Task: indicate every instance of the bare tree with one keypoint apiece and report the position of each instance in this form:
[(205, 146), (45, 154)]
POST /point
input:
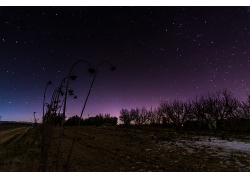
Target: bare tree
[(143, 115), (244, 110), (158, 115), (125, 117), (217, 107), (196, 109), (134, 115), (139, 115), (163, 112), (177, 111), (229, 105), (209, 109), (152, 116)]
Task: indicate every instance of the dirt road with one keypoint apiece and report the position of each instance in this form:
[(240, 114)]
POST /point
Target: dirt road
[(6, 135)]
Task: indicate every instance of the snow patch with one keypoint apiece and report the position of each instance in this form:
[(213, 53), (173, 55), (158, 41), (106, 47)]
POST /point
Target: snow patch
[(225, 144)]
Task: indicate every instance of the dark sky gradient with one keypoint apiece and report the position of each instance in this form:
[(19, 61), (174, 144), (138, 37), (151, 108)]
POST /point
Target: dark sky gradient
[(161, 53)]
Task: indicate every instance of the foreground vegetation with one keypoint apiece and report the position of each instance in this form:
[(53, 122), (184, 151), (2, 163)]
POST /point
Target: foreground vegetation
[(121, 148)]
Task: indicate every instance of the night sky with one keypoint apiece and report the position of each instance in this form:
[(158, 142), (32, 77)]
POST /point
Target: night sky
[(161, 53)]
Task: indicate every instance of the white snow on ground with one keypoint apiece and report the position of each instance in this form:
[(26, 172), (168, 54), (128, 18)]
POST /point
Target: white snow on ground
[(213, 143), (215, 147), (225, 144)]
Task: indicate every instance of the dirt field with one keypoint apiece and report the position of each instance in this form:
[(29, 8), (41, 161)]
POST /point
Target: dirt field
[(115, 149)]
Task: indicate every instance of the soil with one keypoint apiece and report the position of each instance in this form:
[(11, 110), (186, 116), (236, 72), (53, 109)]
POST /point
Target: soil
[(8, 134), (130, 149)]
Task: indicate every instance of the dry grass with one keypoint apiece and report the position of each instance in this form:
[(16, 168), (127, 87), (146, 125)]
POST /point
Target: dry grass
[(114, 149), (8, 134), (20, 156)]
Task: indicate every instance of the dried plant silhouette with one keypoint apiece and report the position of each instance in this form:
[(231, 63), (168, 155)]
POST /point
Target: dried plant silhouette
[(53, 117), (76, 131)]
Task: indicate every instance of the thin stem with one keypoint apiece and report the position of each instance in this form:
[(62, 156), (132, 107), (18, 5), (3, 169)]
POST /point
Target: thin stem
[(45, 96), (64, 105), (71, 148)]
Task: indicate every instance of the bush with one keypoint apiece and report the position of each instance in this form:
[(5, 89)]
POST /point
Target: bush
[(73, 121)]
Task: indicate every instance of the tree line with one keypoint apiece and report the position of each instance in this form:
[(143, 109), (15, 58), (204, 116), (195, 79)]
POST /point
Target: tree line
[(98, 120), (209, 110)]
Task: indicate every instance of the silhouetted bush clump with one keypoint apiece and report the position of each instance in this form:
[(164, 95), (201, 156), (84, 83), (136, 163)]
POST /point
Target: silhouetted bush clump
[(98, 120), (73, 121)]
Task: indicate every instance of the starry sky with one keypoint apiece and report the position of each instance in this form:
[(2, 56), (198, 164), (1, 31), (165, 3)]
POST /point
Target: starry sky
[(161, 53)]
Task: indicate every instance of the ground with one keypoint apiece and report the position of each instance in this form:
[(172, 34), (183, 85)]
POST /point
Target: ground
[(134, 148), (7, 131)]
